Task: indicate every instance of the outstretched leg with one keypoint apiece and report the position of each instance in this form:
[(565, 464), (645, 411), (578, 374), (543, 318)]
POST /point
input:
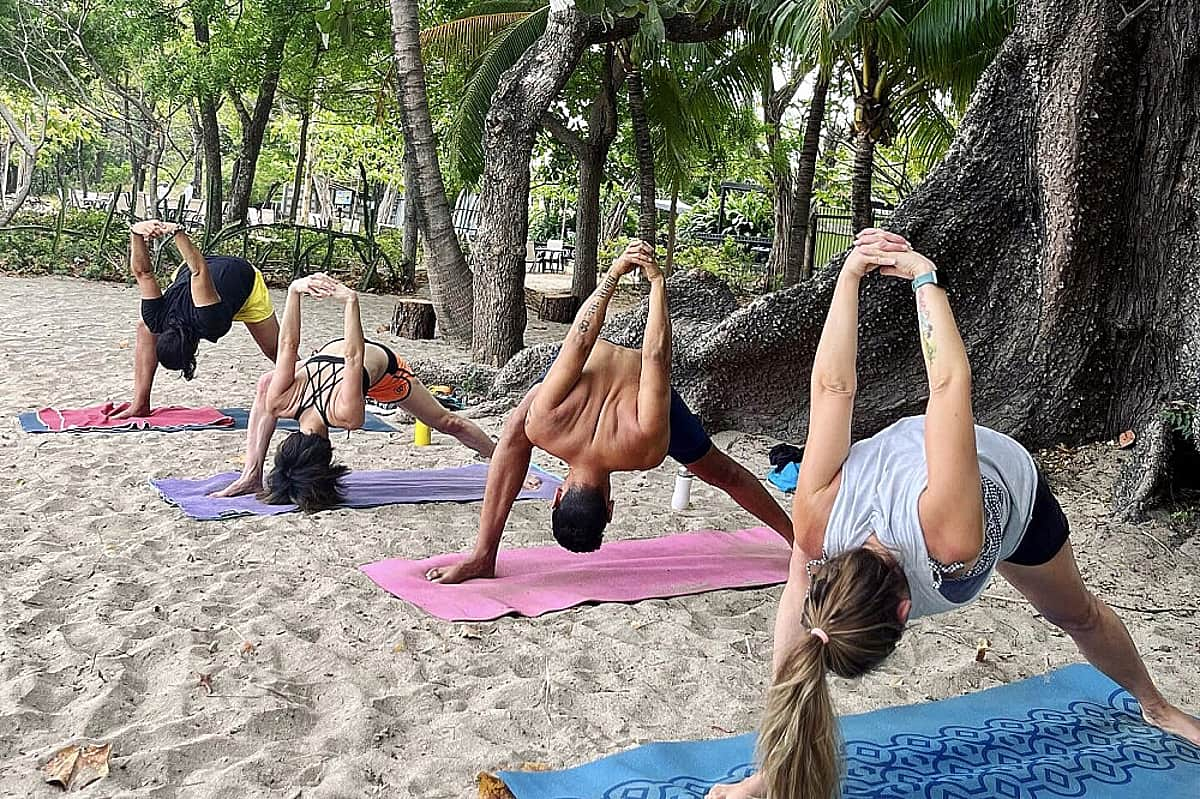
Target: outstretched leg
[(719, 470), (1057, 591), (421, 404)]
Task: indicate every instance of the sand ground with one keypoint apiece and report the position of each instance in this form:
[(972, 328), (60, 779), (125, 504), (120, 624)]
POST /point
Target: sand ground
[(112, 605)]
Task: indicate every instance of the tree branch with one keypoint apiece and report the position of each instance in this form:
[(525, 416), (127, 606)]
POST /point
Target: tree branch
[(1130, 16), (681, 28), (559, 130), (240, 105)]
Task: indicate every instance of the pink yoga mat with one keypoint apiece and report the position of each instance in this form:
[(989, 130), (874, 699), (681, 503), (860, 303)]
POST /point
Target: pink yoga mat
[(537, 580), (99, 417)]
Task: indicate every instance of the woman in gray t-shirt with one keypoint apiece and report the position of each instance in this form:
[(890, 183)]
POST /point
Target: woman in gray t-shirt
[(910, 522)]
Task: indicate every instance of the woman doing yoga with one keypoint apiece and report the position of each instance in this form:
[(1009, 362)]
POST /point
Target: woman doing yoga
[(327, 390), (209, 294), (908, 523)]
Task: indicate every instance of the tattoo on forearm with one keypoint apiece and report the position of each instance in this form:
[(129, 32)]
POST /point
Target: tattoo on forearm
[(928, 345), (606, 289)]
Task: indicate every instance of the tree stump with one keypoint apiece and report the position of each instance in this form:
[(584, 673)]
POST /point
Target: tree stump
[(557, 307), (414, 318)]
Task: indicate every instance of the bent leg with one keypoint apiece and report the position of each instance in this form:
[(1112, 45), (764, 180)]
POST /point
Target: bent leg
[(719, 470), (266, 335), (421, 404), (1056, 589)]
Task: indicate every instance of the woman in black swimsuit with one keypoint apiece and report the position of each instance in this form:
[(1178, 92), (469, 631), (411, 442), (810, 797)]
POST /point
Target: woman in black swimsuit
[(317, 394)]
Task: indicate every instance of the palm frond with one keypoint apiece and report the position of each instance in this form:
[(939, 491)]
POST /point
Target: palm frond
[(464, 142), (945, 37), (465, 39)]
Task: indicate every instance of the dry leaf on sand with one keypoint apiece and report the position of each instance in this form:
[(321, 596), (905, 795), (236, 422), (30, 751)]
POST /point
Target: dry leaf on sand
[(92, 765), (1126, 439), (61, 766), (76, 766), (492, 787)]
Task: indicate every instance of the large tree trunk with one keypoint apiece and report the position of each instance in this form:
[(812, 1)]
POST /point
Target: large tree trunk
[(1065, 219), (868, 130), (254, 128), (799, 264), (518, 107), (412, 225), (643, 147), (775, 103), (210, 131), (450, 279)]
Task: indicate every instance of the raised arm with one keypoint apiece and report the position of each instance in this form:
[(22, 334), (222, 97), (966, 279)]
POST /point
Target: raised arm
[(350, 402), (139, 258), (204, 293), (951, 507), (289, 337), (506, 477), (581, 338), (654, 387), (834, 377)]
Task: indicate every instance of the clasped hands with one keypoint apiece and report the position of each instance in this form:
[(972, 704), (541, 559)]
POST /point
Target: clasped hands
[(888, 252)]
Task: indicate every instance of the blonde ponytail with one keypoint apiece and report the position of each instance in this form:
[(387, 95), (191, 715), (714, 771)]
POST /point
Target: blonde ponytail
[(800, 744), (852, 622)]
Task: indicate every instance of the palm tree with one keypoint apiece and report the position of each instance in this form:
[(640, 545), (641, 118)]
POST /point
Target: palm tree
[(904, 55), (450, 281)]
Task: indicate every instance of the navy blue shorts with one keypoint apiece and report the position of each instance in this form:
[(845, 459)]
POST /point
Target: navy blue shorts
[(688, 442)]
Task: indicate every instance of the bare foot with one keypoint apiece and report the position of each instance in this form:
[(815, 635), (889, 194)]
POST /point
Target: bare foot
[(460, 572), (532, 482), (132, 411), (1173, 720), (240, 487)]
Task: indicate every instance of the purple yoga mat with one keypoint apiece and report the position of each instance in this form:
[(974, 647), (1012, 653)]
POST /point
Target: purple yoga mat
[(365, 489), (537, 580)]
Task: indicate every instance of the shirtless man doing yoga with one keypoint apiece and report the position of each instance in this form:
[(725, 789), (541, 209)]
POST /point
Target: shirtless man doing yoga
[(603, 409)]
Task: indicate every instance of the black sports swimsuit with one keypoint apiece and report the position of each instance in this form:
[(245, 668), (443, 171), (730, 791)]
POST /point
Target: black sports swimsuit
[(325, 371)]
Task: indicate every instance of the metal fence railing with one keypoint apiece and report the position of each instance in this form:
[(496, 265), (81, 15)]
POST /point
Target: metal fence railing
[(832, 232)]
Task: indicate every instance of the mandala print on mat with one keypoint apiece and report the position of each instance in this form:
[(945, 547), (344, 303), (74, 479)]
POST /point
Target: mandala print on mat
[(675, 788), (1048, 753)]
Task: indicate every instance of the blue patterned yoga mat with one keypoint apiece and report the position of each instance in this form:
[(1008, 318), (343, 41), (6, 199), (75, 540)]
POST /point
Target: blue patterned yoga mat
[(1070, 733), (241, 416)]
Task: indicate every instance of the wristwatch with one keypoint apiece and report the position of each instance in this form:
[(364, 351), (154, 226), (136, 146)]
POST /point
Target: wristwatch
[(924, 278)]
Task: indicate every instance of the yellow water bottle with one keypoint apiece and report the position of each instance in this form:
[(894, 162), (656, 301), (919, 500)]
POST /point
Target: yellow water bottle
[(421, 436)]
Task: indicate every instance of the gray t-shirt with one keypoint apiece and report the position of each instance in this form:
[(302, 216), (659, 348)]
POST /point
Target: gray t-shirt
[(885, 475)]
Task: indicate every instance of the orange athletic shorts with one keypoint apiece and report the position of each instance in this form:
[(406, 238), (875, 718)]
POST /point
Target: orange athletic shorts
[(396, 383)]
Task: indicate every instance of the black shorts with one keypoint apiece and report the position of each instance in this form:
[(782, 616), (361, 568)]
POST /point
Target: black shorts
[(1047, 532), (688, 441)]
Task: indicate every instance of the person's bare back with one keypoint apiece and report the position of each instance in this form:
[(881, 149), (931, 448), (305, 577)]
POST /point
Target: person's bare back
[(596, 424)]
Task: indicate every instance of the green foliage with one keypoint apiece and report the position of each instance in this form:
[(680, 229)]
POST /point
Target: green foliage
[(1180, 416), (32, 252), (746, 214), (728, 261)]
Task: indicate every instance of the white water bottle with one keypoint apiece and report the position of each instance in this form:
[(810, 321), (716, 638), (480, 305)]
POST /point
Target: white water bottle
[(683, 489)]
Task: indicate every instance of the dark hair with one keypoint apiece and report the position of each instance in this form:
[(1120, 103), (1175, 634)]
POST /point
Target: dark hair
[(854, 601), (580, 519), (176, 349), (305, 474)]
